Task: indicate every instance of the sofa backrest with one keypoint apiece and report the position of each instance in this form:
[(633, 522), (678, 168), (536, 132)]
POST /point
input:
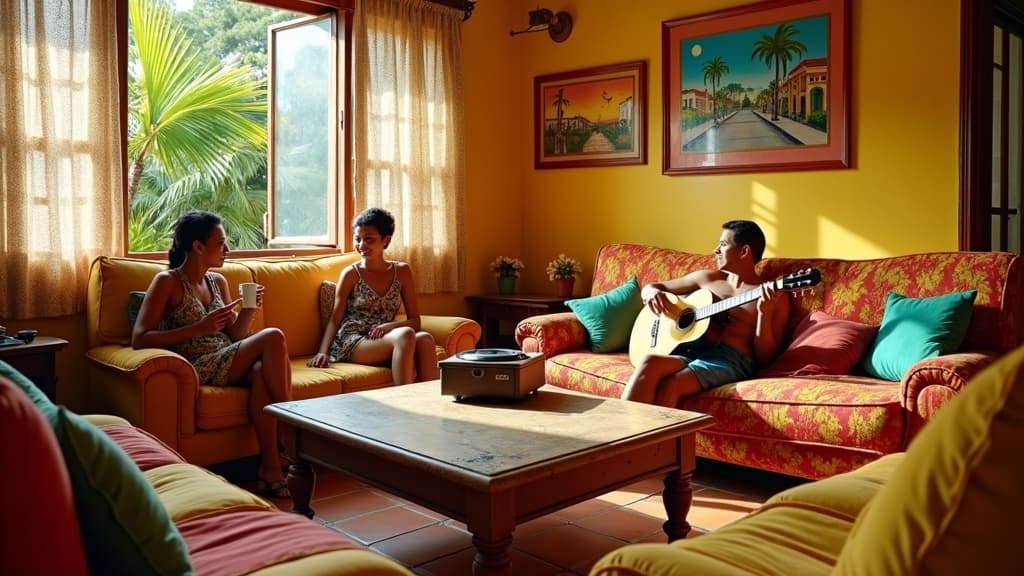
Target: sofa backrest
[(291, 300), (857, 289), (297, 280), (111, 279)]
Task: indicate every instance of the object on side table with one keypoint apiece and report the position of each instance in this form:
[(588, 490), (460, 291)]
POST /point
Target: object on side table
[(26, 336)]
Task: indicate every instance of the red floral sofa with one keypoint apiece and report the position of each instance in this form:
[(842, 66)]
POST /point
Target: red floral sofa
[(808, 426)]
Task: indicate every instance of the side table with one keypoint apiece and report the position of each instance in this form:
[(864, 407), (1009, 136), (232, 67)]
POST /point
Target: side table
[(37, 361), (493, 308)]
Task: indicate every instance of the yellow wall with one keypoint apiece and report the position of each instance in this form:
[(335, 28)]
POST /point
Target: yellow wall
[(900, 195)]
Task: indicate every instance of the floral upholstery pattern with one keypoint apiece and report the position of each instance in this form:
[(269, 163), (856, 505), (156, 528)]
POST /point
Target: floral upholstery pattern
[(809, 426)]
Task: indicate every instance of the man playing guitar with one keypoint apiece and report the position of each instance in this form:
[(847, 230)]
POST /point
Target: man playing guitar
[(751, 335)]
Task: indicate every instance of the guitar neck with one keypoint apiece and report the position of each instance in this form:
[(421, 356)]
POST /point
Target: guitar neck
[(727, 304)]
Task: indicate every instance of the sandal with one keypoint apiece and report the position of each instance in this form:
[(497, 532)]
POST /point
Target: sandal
[(268, 489)]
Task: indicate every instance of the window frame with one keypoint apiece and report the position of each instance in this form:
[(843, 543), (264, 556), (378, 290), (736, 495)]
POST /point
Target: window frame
[(344, 10)]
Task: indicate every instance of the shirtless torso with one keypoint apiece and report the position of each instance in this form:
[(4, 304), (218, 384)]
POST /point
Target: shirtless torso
[(738, 330)]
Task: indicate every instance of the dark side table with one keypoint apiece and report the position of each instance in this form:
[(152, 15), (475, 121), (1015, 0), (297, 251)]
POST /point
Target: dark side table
[(37, 361), (493, 308)]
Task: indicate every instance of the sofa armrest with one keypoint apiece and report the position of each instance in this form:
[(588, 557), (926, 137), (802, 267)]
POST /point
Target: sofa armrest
[(932, 382), (153, 388), (551, 334), (453, 333)]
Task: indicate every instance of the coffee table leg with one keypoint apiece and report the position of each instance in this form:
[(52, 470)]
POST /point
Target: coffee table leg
[(677, 497), (301, 480), (492, 558)]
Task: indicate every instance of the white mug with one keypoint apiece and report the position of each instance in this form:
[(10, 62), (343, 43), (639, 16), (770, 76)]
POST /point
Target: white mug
[(247, 290)]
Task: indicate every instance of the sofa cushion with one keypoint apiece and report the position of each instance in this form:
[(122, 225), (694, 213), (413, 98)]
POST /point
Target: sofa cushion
[(822, 344), (953, 504), (325, 302), (609, 317), (142, 447), (291, 299), (189, 491), (39, 516), (242, 541), (917, 328), (125, 526), (135, 298)]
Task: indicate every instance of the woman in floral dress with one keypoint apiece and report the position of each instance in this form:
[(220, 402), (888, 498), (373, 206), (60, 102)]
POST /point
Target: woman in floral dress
[(362, 328), (184, 311)]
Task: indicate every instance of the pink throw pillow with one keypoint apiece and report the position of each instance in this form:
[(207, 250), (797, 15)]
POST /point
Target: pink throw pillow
[(823, 344)]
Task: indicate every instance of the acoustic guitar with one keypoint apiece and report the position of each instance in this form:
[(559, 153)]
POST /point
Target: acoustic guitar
[(689, 319)]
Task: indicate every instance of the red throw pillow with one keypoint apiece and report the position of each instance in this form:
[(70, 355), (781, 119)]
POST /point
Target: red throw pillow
[(823, 344)]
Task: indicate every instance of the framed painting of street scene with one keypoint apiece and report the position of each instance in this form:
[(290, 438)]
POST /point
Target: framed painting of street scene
[(756, 88), (591, 117)]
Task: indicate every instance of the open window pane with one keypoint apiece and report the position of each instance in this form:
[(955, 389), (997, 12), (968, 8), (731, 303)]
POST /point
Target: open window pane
[(304, 132)]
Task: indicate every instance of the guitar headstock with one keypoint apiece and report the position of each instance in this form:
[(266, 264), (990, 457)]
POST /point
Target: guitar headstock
[(799, 280)]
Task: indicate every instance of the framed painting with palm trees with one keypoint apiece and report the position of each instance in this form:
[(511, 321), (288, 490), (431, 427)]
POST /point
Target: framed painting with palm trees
[(591, 117), (755, 88)]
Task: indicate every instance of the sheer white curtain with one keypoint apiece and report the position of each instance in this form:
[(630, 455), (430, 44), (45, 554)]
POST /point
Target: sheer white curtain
[(60, 152), (408, 133)]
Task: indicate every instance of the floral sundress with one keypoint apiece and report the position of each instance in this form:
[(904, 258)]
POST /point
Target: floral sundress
[(364, 310), (210, 354)]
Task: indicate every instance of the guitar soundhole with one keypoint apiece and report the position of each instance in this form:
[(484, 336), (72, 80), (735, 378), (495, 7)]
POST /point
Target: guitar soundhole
[(686, 319)]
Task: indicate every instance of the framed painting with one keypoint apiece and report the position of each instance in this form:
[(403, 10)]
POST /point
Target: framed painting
[(591, 117), (755, 88)]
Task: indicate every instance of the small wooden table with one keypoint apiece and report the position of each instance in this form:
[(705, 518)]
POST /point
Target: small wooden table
[(493, 308), (37, 361), (492, 466)]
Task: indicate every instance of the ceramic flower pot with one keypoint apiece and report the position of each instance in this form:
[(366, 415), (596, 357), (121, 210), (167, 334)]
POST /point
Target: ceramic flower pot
[(506, 284), (564, 286)]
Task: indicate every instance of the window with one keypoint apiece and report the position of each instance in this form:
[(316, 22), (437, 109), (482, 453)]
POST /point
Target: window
[(237, 107)]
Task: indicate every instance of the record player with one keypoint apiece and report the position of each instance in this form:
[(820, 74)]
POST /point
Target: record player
[(497, 373)]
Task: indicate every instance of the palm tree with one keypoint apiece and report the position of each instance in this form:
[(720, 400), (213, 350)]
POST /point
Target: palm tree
[(714, 69), (777, 50), (560, 102), (197, 128)]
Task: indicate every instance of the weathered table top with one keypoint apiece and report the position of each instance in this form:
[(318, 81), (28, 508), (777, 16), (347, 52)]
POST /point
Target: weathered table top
[(484, 440)]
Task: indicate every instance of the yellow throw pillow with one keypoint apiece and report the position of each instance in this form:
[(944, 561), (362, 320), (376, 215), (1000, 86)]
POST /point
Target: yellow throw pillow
[(954, 503)]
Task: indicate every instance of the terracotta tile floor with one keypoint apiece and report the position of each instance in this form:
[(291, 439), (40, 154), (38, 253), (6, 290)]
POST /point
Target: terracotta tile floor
[(567, 542)]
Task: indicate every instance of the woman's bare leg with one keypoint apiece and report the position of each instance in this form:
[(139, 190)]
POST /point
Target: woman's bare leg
[(426, 357), (262, 360), (266, 428), (397, 346), (269, 347)]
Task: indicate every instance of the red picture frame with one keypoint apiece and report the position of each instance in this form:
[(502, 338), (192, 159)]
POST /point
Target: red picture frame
[(756, 88), (591, 117)]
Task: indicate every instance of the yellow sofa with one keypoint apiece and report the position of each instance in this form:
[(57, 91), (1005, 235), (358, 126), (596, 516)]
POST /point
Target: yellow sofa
[(949, 505), (158, 391)]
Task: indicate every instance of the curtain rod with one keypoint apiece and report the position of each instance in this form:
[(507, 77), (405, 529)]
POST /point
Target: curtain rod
[(465, 5)]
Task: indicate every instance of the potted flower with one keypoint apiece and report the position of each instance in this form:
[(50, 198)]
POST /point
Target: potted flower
[(563, 271), (506, 270)]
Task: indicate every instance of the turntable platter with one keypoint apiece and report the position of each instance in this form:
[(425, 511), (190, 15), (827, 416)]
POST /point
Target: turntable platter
[(492, 355)]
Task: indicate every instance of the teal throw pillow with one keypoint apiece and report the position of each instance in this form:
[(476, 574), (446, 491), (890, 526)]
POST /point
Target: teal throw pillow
[(135, 299), (125, 527), (917, 328), (609, 317)]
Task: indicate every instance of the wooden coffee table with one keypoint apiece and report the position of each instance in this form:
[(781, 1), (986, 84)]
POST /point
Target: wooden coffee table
[(492, 465)]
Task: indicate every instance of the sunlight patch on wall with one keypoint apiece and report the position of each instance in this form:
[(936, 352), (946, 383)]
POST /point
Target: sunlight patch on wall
[(838, 241), (764, 203)]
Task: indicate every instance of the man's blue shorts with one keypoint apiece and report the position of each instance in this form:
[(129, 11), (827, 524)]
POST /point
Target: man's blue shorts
[(718, 365)]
